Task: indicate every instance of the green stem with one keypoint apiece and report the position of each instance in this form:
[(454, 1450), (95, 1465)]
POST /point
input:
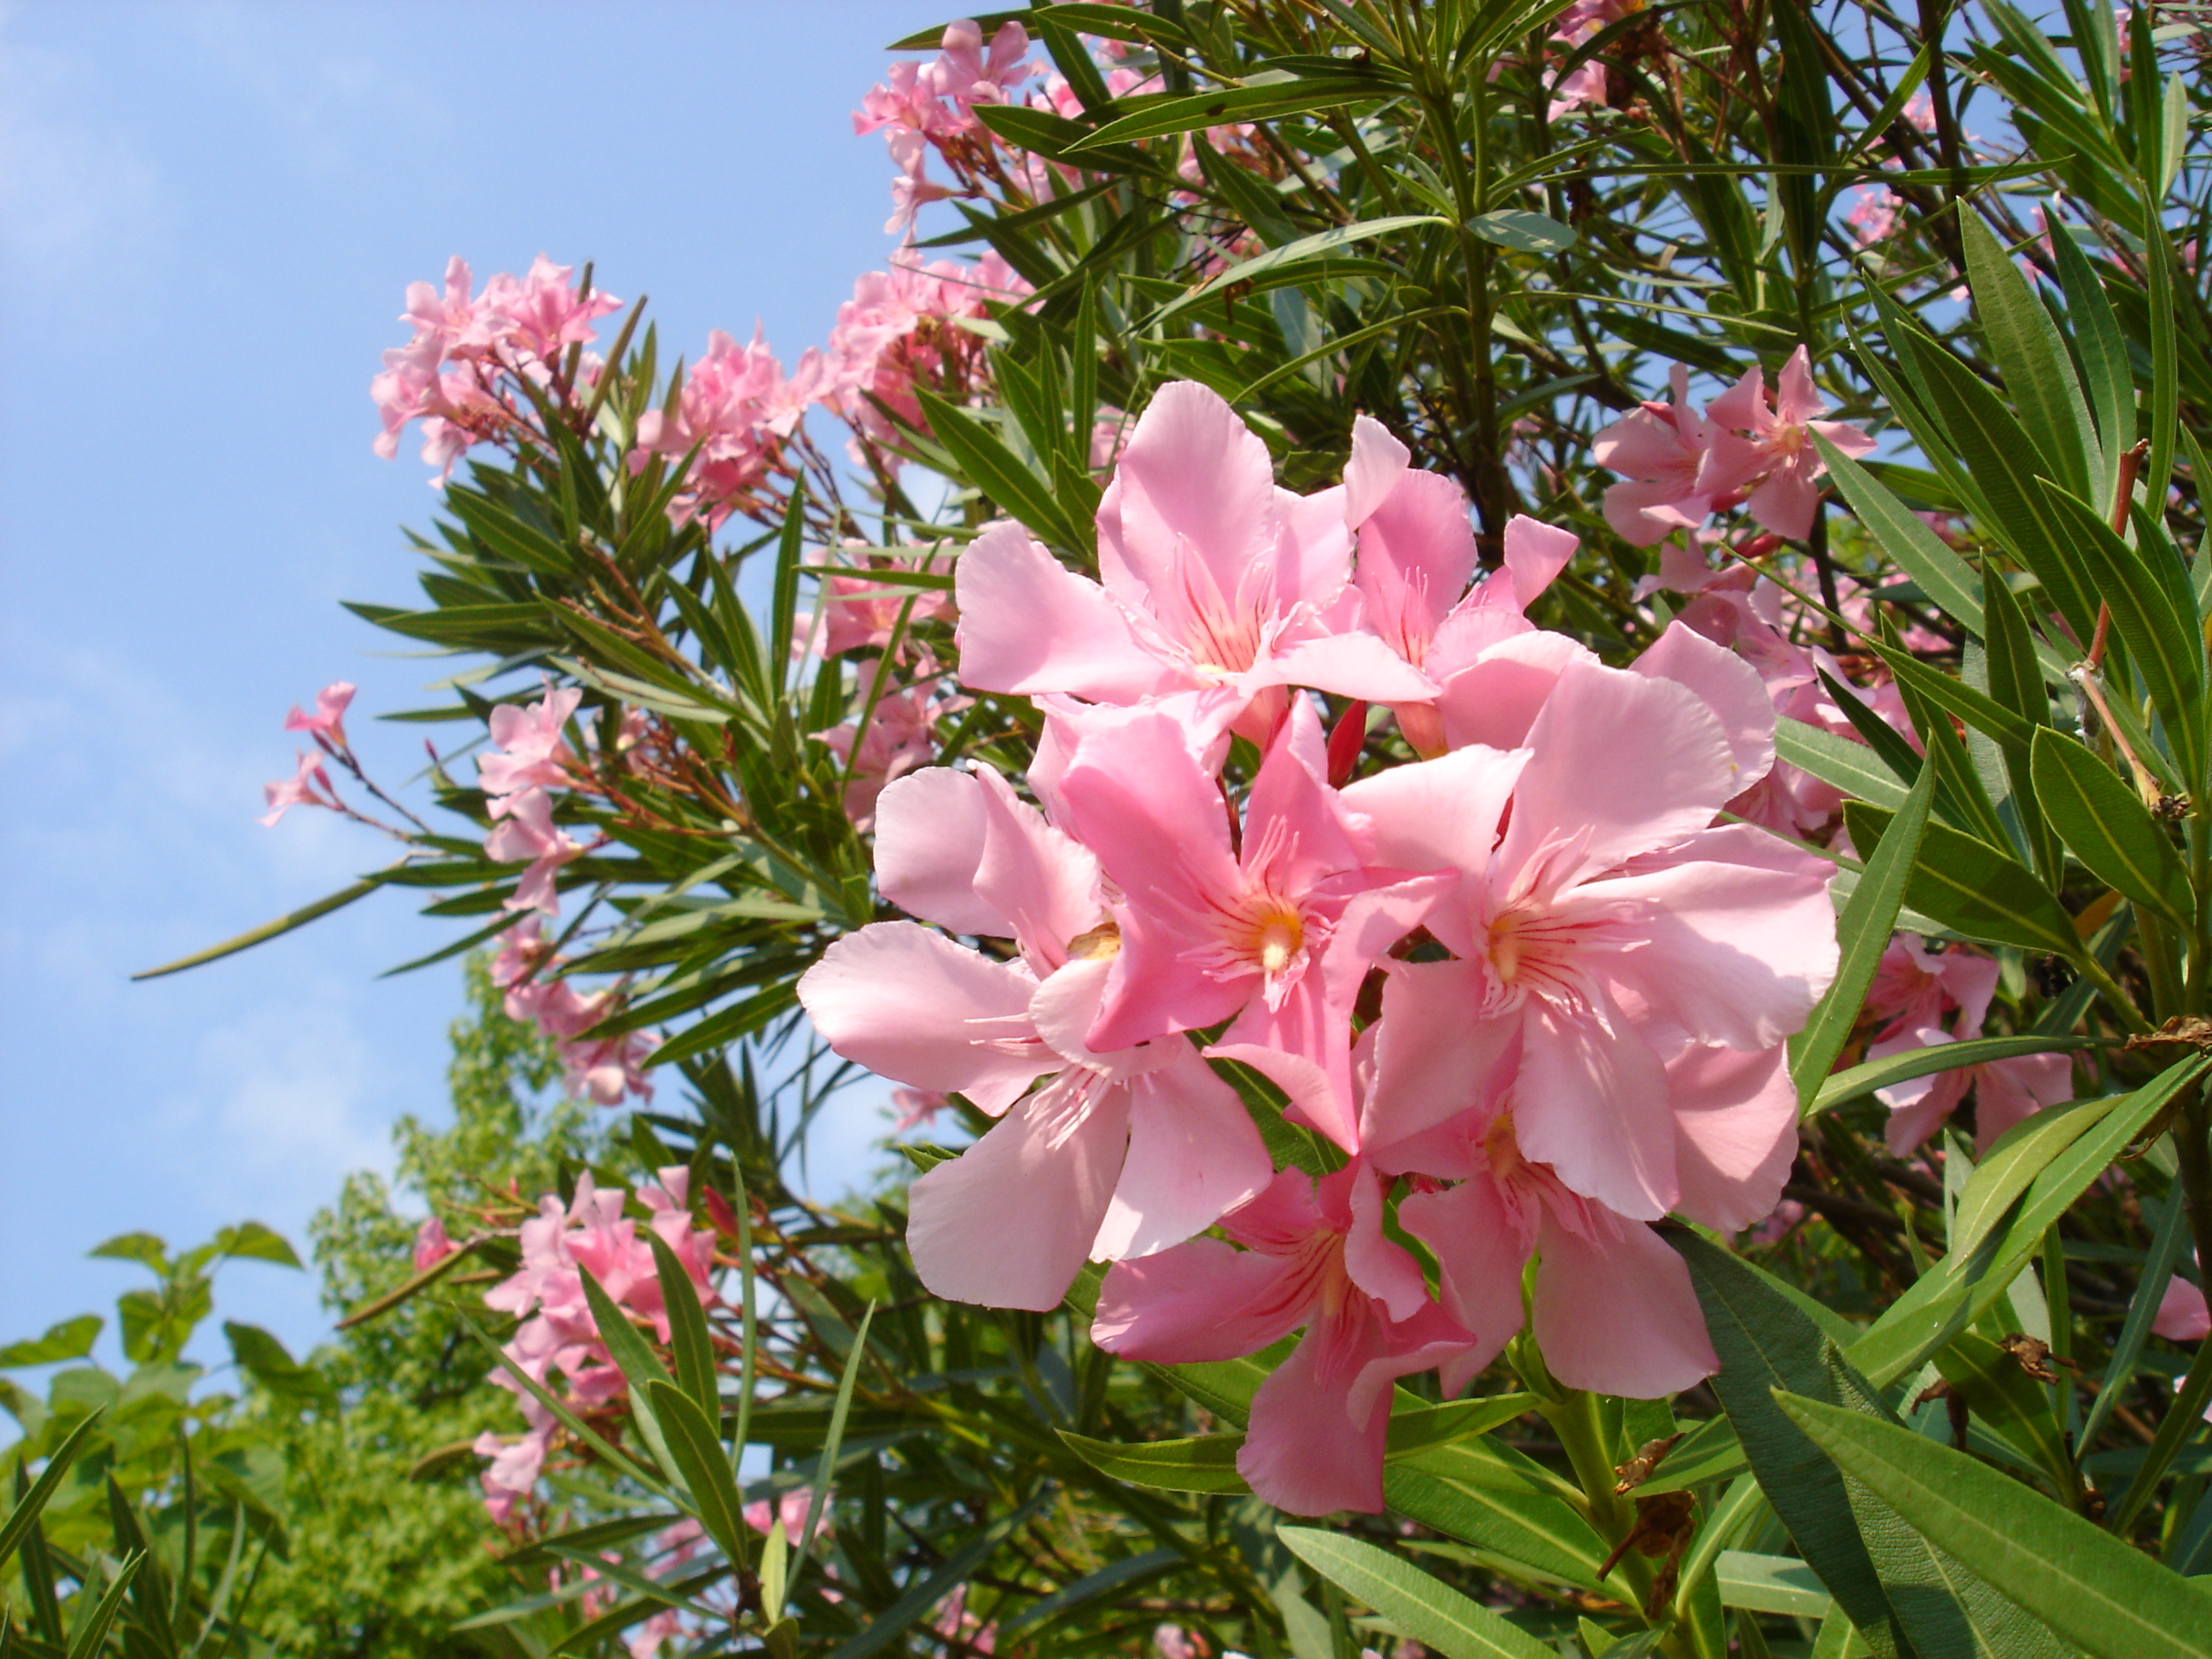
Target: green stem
[(1575, 1420), (2123, 1004)]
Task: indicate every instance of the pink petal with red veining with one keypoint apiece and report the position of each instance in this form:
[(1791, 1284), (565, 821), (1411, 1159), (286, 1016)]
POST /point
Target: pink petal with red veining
[(1194, 1152), (1623, 764), (900, 1000), (1029, 624), (1616, 1313), (1731, 687), (1591, 1102), (1442, 814), (1194, 483), (1204, 1300), (1010, 1222), (1736, 1122)]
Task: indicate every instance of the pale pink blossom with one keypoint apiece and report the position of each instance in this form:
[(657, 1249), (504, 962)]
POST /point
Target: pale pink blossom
[(1174, 1642), (512, 1475), (310, 786), (527, 832), (432, 1245), (2182, 1314), (609, 1070), (731, 416), (1873, 217), (1615, 1311), (1212, 576), (1661, 449), (1765, 447), (1274, 928), (917, 1108), (1913, 992), (857, 613), (899, 330), (535, 753), (327, 723), (1312, 1256), (1609, 926), (1119, 1154), (789, 1510)]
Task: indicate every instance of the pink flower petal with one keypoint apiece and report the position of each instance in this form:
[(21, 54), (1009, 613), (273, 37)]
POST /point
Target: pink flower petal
[(1027, 623), (1616, 1312), (1010, 1222), (1736, 1122)]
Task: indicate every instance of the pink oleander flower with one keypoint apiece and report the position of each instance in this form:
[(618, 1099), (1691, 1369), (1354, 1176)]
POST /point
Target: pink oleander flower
[(1212, 577), (1661, 449), (609, 1070), (1120, 1152), (516, 1463), (1614, 1309), (536, 754), (1312, 1256), (900, 736), (736, 408), (543, 312), (1274, 928), (309, 787), (1416, 556), (1174, 1642), (327, 723), (1912, 991), (789, 1510), (855, 613), (2183, 1314), (897, 332), (1608, 924), (527, 832), (916, 1107), (432, 1245), (1873, 217), (1766, 447)]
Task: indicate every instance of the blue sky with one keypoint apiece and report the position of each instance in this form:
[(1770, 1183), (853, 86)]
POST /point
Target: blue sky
[(207, 216)]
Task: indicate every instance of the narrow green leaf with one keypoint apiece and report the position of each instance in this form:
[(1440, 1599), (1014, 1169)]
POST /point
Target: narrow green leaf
[(1159, 115), (1973, 888), (269, 930), (1431, 1612), (2111, 389), (1522, 231), (1532, 1527), (2108, 827), (994, 469), (93, 1623), (1205, 1462), (25, 1514), (1870, 1075), (2033, 359), (1305, 251), (1771, 1583), (2143, 1308), (1862, 935), (2001, 457), (1948, 581), (688, 1341), (924, 1594), (584, 1431), (698, 1460), (2085, 1584), (1850, 767), (1114, 1577), (825, 1468), (1421, 1428)]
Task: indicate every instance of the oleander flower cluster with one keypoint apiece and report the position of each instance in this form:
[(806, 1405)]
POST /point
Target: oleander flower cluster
[(1472, 915)]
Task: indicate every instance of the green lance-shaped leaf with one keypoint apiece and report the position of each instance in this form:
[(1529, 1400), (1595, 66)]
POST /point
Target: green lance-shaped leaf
[(2097, 337), (998, 473), (25, 1514), (1771, 1583), (1293, 257), (1205, 1462), (2143, 1308), (1431, 1612), (1850, 767), (1862, 935), (2107, 825), (688, 1340), (1973, 887), (696, 1460), (1873, 1074), (2094, 1589), (92, 1622), (269, 930), (1522, 231), (1904, 1595), (1160, 115), (2002, 457), (2033, 359)]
